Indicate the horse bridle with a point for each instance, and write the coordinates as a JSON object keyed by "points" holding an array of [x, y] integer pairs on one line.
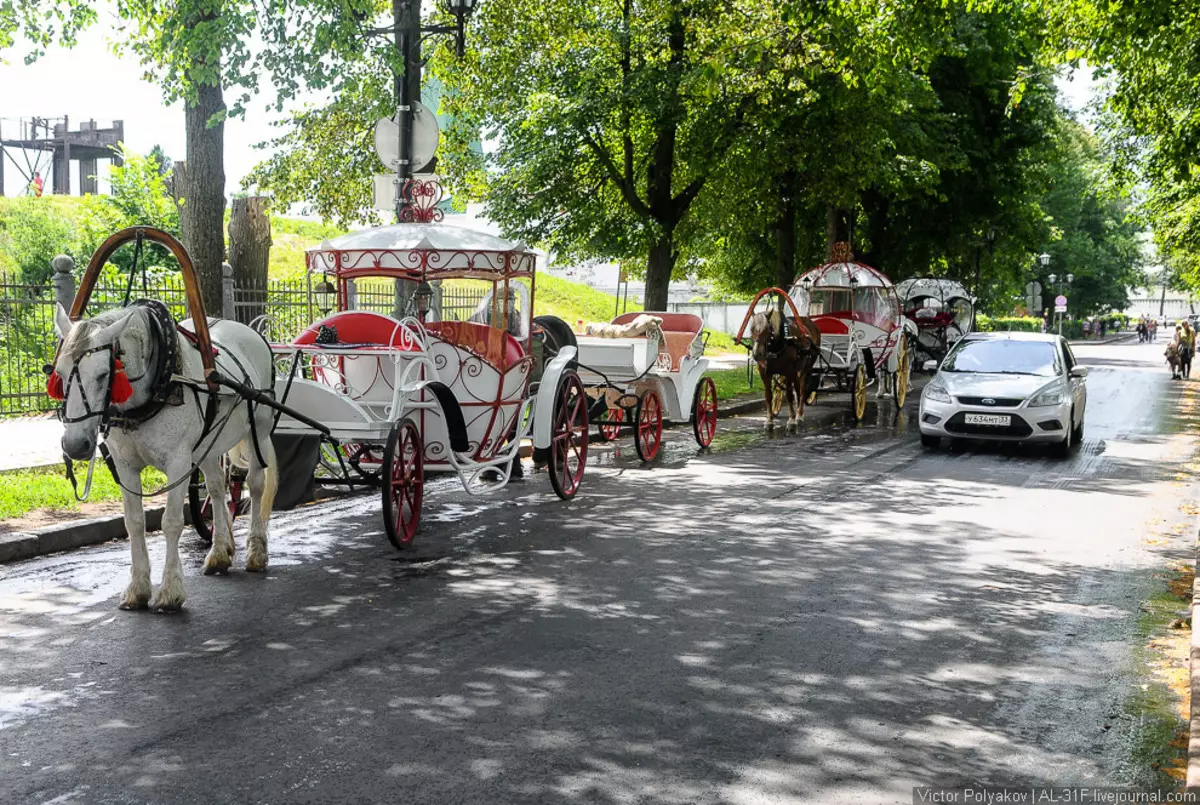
{"points": [[106, 411]]}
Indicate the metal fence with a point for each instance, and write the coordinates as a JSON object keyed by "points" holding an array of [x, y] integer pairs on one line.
{"points": [[281, 310]]}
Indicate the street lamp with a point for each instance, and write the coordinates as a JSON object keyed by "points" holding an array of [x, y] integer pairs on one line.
{"points": [[407, 30]]}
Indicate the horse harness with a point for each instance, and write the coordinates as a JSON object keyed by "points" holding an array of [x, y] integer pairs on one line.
{"points": [[166, 389]]}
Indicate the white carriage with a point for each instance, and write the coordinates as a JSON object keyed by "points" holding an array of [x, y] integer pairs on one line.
{"points": [[864, 338], [941, 310], [425, 387], [645, 367]]}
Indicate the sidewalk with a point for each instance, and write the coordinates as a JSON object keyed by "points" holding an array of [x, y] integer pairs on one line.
{"points": [[1099, 342], [30, 441]]}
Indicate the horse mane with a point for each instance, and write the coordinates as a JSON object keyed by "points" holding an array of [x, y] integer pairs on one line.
{"points": [[83, 333]]}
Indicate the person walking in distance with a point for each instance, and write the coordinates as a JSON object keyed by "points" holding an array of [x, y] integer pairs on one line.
{"points": [[37, 185], [1187, 347]]}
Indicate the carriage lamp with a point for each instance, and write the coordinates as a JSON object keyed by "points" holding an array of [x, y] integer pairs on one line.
{"points": [[424, 299], [807, 283], [325, 295]]}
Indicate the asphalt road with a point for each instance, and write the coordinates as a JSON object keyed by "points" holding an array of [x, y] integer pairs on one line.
{"points": [[831, 617]]}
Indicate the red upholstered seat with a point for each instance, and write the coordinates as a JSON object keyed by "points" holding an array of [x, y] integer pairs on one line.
{"points": [[495, 346], [357, 327], [831, 325], [679, 331]]}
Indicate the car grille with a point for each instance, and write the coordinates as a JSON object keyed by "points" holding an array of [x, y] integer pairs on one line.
{"points": [[958, 424], [992, 402]]}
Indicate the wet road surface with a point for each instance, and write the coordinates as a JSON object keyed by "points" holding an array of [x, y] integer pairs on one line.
{"points": [[831, 617]]}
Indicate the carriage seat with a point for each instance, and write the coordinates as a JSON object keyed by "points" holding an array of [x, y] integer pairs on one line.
{"points": [[494, 346], [680, 331], [356, 328], [943, 319]]}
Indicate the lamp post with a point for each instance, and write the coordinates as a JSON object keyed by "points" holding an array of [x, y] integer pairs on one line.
{"points": [[1055, 278], [407, 31]]}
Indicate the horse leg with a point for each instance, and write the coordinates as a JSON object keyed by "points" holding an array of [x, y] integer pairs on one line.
{"points": [[170, 595], [220, 556], [766, 376], [137, 594], [263, 481], [801, 393], [790, 385]]}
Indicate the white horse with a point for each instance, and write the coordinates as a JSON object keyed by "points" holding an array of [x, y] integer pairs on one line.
{"points": [[155, 421]]}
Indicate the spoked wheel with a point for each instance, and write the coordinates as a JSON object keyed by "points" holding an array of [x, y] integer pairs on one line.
{"points": [[704, 412], [859, 390], [647, 436], [903, 372], [611, 432], [569, 437], [778, 394], [403, 482], [200, 504]]}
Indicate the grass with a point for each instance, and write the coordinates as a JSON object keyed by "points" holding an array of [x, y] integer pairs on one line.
{"points": [[25, 491], [732, 382], [1157, 731]]}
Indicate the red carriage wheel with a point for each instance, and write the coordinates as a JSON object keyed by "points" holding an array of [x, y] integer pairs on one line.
{"points": [[704, 412], [569, 437], [611, 432], [647, 434], [403, 482], [200, 503]]}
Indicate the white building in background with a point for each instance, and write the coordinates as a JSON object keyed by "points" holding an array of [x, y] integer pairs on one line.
{"points": [[1154, 302]]}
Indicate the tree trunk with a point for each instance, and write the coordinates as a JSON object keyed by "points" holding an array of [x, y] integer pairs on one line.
{"points": [[179, 193], [658, 272], [837, 228], [202, 218], [249, 254], [785, 236]]}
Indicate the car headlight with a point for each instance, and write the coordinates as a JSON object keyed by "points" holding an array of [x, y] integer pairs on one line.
{"points": [[937, 393], [1054, 395]]}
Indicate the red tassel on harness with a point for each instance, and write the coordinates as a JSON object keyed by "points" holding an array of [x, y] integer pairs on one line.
{"points": [[122, 390], [54, 387]]}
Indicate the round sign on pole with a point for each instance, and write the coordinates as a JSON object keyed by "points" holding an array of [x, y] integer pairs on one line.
{"points": [[425, 136], [1060, 301]]}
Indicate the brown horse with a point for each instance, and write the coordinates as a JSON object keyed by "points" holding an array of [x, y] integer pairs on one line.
{"points": [[791, 357]]}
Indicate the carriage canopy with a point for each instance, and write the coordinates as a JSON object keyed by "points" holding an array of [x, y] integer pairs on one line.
{"points": [[931, 300]]}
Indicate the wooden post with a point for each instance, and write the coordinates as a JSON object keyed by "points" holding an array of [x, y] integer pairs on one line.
{"points": [[249, 254]]}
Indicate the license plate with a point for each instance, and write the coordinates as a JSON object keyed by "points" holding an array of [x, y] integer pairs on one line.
{"points": [[997, 420]]}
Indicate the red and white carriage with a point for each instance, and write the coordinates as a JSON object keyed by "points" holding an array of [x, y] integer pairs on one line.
{"points": [[422, 388], [863, 333]]}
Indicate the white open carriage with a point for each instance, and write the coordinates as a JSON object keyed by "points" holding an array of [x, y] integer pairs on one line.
{"points": [[639, 364], [417, 391], [864, 337]]}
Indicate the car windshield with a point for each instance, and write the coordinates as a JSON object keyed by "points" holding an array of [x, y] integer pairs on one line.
{"points": [[1004, 357]]}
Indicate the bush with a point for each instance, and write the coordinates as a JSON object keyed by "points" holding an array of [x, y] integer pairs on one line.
{"points": [[31, 234], [1024, 324]]}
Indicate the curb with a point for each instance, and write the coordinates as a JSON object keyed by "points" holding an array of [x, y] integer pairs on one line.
{"points": [[1193, 754], [67, 536]]}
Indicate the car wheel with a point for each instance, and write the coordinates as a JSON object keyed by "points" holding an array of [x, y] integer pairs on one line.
{"points": [[930, 442], [1063, 448], [1077, 434]]}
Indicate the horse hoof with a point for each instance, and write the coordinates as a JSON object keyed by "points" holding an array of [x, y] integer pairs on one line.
{"points": [[256, 563], [170, 597], [133, 604], [135, 597], [217, 563]]}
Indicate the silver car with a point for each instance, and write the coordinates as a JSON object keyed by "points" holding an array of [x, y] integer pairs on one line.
{"points": [[1021, 387]]}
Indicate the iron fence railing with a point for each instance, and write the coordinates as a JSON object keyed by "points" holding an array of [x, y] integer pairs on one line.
{"points": [[283, 309]]}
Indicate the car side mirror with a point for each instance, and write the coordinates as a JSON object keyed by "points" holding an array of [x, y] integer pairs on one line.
{"points": [[930, 366], [1079, 371]]}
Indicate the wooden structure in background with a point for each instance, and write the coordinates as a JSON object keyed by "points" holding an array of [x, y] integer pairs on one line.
{"points": [[53, 137]]}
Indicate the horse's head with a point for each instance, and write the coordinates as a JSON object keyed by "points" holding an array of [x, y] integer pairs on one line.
{"points": [[764, 327], [89, 376]]}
